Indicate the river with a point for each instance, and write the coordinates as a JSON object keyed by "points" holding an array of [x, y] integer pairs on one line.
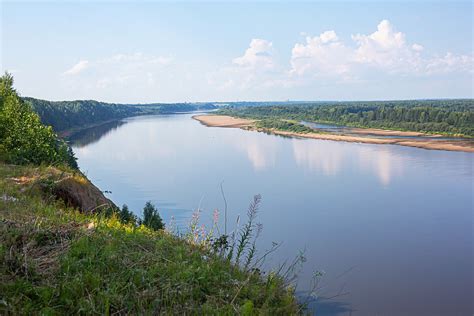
{"points": [[390, 226]]}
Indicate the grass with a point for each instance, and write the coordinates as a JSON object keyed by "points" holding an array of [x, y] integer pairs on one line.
{"points": [[56, 260]]}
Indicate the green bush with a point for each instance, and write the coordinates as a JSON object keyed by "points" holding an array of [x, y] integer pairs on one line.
{"points": [[126, 216], [23, 138], [151, 218]]}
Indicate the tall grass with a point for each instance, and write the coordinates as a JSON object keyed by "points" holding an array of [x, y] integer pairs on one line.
{"points": [[239, 247]]}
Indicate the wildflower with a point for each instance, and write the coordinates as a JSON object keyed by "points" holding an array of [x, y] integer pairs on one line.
{"points": [[216, 216]]}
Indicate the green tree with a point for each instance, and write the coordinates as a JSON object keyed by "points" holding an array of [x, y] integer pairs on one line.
{"points": [[127, 216], [151, 218], [23, 138]]}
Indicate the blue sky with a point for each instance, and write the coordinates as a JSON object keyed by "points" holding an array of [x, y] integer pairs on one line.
{"points": [[217, 51]]}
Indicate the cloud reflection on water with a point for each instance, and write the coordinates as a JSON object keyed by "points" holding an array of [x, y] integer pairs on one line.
{"points": [[262, 153], [329, 157]]}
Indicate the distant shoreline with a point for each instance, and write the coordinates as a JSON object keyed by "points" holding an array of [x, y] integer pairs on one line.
{"points": [[434, 144]]}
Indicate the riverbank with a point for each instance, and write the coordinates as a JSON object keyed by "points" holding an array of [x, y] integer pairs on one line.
{"points": [[383, 132], [223, 121], [434, 144]]}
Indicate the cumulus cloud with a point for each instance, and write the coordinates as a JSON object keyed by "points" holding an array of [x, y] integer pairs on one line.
{"points": [[386, 50], [77, 68], [258, 55], [417, 47], [326, 59], [323, 54], [256, 69]]}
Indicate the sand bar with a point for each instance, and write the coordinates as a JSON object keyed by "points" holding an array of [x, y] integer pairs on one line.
{"points": [[451, 145], [384, 132], [222, 121]]}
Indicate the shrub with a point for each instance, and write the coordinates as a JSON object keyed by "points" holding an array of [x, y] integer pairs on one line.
{"points": [[126, 216], [23, 138], [151, 218]]}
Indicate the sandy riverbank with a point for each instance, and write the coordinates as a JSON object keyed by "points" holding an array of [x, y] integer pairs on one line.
{"points": [[384, 132], [451, 145], [223, 121]]}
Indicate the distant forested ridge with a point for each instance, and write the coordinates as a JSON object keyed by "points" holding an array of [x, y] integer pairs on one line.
{"points": [[64, 115], [454, 117]]}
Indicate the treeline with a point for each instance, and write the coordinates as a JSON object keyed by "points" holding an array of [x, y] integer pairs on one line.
{"points": [[454, 117], [23, 139], [171, 108], [283, 125], [64, 115]]}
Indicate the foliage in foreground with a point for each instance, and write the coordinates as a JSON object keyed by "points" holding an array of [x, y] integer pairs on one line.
{"points": [[150, 219], [56, 260], [23, 139]]}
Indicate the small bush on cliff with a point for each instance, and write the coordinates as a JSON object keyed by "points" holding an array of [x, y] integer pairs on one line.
{"points": [[126, 216], [151, 218]]}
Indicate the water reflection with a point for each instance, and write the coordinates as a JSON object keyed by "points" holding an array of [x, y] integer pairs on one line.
{"points": [[262, 154], [328, 158], [318, 157], [91, 135], [383, 162]]}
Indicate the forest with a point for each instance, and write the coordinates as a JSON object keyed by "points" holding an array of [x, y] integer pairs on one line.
{"points": [[451, 117], [64, 115]]}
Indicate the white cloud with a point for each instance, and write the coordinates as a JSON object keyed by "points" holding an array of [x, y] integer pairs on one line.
{"points": [[385, 50], [77, 68], [258, 55], [326, 60], [119, 70], [137, 59], [450, 63], [254, 70], [328, 36], [327, 63], [417, 47], [321, 55]]}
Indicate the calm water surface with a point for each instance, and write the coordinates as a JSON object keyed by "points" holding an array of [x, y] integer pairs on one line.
{"points": [[391, 226]]}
